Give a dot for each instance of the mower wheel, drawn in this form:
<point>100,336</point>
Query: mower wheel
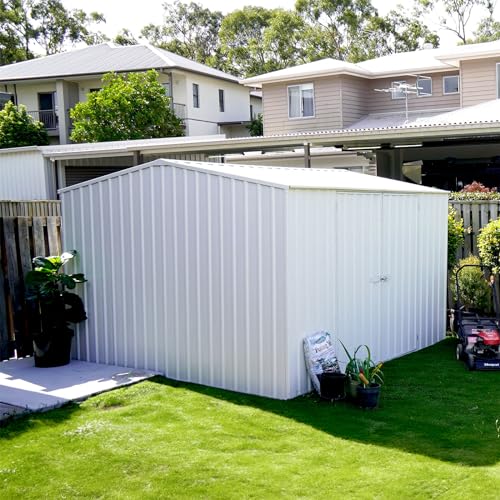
<point>470,362</point>
<point>460,352</point>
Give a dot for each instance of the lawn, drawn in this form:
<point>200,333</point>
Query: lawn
<point>434,435</point>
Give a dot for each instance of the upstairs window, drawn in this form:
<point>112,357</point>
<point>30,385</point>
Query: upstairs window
<point>301,101</point>
<point>398,93</point>
<point>451,84</point>
<point>196,95</point>
<point>221,100</point>
<point>424,86</point>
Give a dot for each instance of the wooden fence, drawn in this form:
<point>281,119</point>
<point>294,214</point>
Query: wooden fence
<point>21,239</point>
<point>41,208</point>
<point>475,214</point>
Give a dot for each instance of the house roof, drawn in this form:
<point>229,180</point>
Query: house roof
<point>99,59</point>
<point>402,63</point>
<point>486,112</point>
<point>284,177</point>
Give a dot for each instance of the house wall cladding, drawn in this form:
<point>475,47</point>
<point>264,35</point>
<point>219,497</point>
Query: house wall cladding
<point>382,102</point>
<point>327,107</point>
<point>215,278</point>
<point>479,81</point>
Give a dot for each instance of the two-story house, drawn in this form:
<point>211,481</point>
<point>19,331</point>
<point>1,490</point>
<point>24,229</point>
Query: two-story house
<point>207,100</point>
<point>413,89</point>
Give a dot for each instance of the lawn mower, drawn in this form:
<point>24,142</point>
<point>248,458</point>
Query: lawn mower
<point>478,332</point>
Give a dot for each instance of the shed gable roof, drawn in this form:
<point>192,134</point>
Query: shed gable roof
<point>286,178</point>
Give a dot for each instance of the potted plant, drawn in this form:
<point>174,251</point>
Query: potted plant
<point>52,308</point>
<point>371,378</point>
<point>332,382</point>
<point>352,371</point>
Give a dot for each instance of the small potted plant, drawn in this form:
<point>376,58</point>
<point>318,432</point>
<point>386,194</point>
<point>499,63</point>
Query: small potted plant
<point>371,378</point>
<point>332,382</point>
<point>52,307</point>
<point>352,371</point>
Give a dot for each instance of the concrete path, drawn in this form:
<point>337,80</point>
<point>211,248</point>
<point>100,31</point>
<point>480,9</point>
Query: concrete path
<point>24,388</point>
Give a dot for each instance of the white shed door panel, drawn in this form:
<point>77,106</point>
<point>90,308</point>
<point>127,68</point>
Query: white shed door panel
<point>358,264</point>
<point>399,268</point>
<point>377,272</point>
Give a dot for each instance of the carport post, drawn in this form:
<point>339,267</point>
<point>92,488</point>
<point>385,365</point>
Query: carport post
<point>390,163</point>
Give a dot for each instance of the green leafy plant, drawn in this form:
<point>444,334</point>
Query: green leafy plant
<point>52,307</point>
<point>47,281</point>
<point>256,126</point>
<point>132,106</point>
<point>488,243</point>
<point>363,370</point>
<point>475,292</point>
<point>455,235</point>
<point>17,128</point>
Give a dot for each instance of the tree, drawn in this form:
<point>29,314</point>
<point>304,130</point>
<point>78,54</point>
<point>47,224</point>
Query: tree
<point>55,25</point>
<point>17,128</point>
<point>189,30</point>
<point>256,40</point>
<point>335,25</point>
<point>458,13</point>
<point>132,106</point>
<point>398,31</point>
<point>125,37</point>
<point>44,22</point>
<point>16,31</point>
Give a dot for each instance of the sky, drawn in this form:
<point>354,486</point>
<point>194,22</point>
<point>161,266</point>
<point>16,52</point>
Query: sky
<point>135,15</point>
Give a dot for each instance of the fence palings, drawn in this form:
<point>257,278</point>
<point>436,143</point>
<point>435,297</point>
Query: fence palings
<point>37,208</point>
<point>475,214</point>
<point>21,239</point>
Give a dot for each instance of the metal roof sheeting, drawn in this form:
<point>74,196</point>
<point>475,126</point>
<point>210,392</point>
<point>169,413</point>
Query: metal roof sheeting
<point>104,58</point>
<point>284,177</point>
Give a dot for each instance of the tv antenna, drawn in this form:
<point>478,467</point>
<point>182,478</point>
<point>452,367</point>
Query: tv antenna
<point>406,89</point>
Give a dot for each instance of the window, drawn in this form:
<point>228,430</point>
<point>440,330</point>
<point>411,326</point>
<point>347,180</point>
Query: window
<point>221,100</point>
<point>398,93</point>
<point>301,101</point>
<point>451,84</point>
<point>196,95</point>
<point>94,90</point>
<point>424,86</point>
<point>251,111</point>
<point>166,86</point>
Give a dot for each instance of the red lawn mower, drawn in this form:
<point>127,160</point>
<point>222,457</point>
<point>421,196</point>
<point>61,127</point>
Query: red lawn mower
<point>478,333</point>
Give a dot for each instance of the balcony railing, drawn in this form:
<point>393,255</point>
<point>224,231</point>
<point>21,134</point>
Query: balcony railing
<point>179,110</point>
<point>47,116</point>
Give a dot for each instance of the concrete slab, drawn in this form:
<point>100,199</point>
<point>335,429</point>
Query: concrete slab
<point>26,388</point>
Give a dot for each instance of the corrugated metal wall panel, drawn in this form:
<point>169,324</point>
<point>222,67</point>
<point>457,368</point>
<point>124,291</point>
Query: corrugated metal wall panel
<point>24,176</point>
<point>311,275</point>
<point>186,276</point>
<point>370,268</point>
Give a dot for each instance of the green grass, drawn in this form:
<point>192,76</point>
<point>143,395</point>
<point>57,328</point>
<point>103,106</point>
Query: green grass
<point>434,436</point>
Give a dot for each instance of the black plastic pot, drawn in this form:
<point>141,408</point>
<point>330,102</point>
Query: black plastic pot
<point>367,397</point>
<point>332,386</point>
<point>52,352</point>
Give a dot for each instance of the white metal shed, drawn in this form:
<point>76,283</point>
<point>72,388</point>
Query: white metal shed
<point>214,274</point>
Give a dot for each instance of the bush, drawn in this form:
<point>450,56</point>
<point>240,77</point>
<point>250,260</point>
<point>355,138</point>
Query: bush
<point>488,243</point>
<point>477,187</point>
<point>475,292</point>
<point>17,128</point>
<point>455,235</point>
